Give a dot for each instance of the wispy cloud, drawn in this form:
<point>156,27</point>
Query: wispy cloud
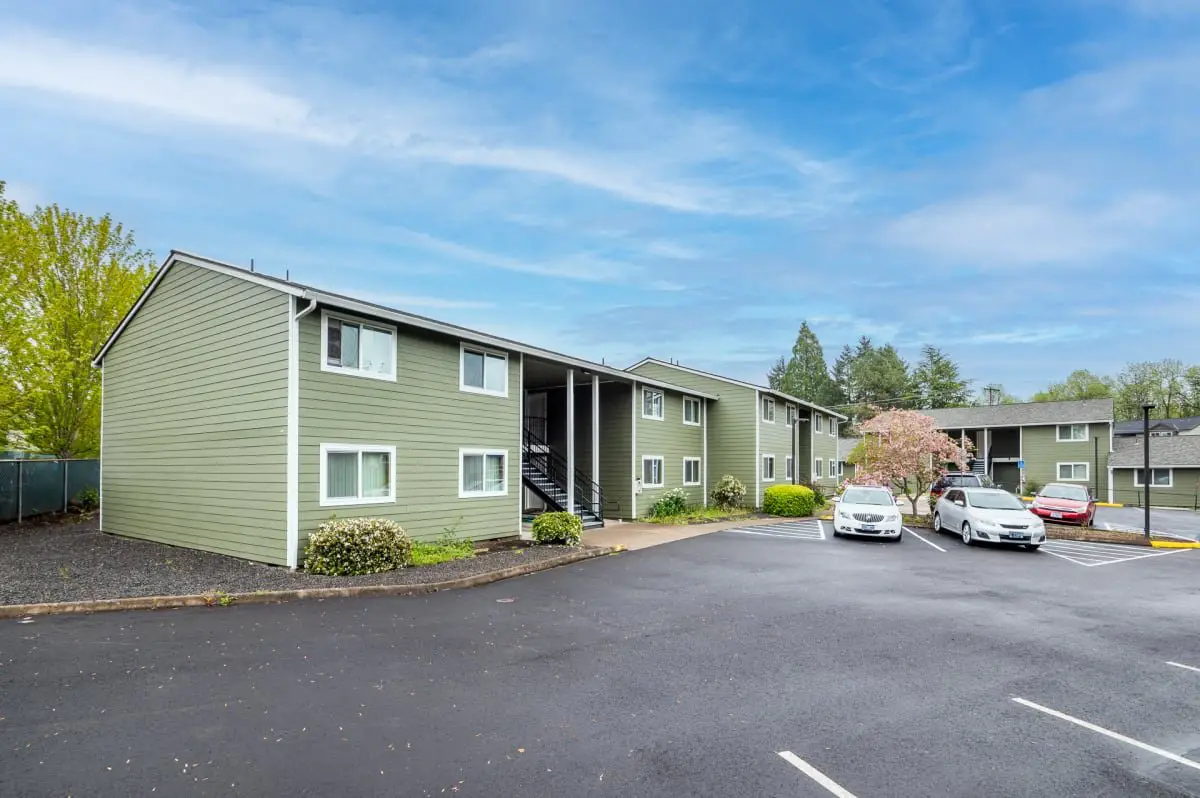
<point>406,301</point>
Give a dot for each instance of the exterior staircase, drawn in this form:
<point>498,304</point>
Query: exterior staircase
<point>545,472</point>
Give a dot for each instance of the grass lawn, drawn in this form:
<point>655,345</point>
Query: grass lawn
<point>700,515</point>
<point>432,553</point>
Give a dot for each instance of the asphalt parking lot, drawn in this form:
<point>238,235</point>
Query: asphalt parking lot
<point>1181,523</point>
<point>791,664</point>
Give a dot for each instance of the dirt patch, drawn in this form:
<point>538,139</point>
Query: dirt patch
<point>1065,532</point>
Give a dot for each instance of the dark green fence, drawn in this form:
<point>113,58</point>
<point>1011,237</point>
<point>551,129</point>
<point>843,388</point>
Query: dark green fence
<point>35,487</point>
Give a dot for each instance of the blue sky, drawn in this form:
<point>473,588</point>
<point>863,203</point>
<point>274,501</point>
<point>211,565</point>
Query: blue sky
<point>1014,181</point>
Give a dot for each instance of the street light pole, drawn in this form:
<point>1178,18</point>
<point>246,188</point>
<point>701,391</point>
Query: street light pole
<point>1146,408</point>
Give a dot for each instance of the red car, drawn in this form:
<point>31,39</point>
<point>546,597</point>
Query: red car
<point>1069,504</point>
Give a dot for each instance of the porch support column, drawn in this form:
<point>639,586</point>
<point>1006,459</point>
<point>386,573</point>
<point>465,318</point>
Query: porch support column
<point>570,440</point>
<point>596,440</point>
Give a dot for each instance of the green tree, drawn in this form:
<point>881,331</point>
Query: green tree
<point>778,374</point>
<point>1162,383</point>
<point>804,373</point>
<point>1081,384</point>
<point>840,374</point>
<point>937,381</point>
<point>68,281</point>
<point>881,380</point>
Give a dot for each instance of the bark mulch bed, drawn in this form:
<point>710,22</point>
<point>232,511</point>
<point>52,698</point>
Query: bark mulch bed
<point>70,560</point>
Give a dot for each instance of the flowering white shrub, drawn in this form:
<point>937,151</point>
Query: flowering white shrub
<point>728,493</point>
<point>356,546</point>
<point>564,528</point>
<point>673,502</point>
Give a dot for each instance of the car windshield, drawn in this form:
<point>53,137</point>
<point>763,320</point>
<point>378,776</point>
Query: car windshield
<point>1072,492</point>
<point>860,496</point>
<point>995,500</point>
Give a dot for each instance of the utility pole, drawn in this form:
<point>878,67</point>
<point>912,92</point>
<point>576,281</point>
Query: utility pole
<point>992,394</point>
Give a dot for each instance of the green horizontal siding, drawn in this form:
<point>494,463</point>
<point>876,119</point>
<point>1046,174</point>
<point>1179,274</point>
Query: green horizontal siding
<point>195,418</point>
<point>1042,453</point>
<point>673,440</point>
<point>776,438</point>
<point>427,418</point>
<point>825,447</point>
<point>1184,491</point>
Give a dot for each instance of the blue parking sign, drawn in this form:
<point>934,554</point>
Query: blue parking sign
<point>1021,464</point>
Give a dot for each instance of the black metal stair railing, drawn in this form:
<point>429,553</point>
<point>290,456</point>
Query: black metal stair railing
<point>546,472</point>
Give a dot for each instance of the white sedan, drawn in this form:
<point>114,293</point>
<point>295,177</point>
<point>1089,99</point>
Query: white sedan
<point>868,512</point>
<point>988,514</point>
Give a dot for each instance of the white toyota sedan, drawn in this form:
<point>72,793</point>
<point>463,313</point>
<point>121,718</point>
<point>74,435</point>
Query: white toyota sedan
<point>868,512</point>
<point>988,514</point>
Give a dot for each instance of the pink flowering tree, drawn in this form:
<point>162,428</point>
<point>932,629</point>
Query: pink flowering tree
<point>905,450</point>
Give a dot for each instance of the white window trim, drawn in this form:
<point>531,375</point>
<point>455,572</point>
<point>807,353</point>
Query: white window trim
<point>789,468</point>
<point>841,468</point>
<point>391,329</point>
<point>762,468</point>
<point>1087,472</point>
<point>481,494</point>
<point>359,449</point>
<point>1058,433</point>
<point>1170,478</point>
<point>686,400</point>
<point>699,473</point>
<point>817,469</point>
<point>662,405</point>
<point>662,475</point>
<point>819,423</point>
<point>791,415</point>
<point>767,401</point>
<point>463,348</point>
<point>831,465</point>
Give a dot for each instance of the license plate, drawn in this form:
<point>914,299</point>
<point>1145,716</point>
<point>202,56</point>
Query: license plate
<point>1056,515</point>
<point>1015,536</point>
<point>868,527</point>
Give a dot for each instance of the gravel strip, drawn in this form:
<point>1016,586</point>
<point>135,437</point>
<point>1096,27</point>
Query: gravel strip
<point>75,562</point>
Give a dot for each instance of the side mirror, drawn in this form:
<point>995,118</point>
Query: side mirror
<point>960,502</point>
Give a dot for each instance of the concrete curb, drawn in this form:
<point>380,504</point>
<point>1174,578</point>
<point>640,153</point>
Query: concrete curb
<point>275,596</point>
<point>1174,544</point>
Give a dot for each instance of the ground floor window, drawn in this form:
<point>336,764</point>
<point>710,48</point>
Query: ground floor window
<point>652,471</point>
<point>832,467</point>
<point>768,468</point>
<point>789,467</point>
<point>1073,472</point>
<point>817,468</point>
<point>691,471</point>
<point>357,474</point>
<point>1159,478</point>
<point>482,472</point>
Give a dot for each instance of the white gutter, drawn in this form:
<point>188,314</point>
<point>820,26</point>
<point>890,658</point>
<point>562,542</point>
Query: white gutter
<point>293,430</point>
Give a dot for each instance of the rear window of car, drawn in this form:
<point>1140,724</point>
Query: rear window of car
<point>958,481</point>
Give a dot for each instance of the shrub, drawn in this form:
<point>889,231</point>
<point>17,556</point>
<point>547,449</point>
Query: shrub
<point>89,499</point>
<point>561,527</point>
<point>1032,487</point>
<point>356,546</point>
<point>818,493</point>
<point>673,502</point>
<point>728,493</point>
<point>789,500</point>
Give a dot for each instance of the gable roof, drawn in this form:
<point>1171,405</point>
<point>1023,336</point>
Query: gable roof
<point>1181,451</point>
<point>1027,414</point>
<point>740,383</point>
<point>345,303</point>
<point>1176,425</point>
<point>845,446</point>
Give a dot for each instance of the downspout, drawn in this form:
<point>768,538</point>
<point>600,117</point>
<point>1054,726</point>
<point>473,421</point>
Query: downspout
<point>293,431</point>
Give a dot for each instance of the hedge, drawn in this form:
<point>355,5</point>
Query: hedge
<point>789,500</point>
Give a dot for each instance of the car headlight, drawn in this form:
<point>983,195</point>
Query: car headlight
<point>892,517</point>
<point>842,515</point>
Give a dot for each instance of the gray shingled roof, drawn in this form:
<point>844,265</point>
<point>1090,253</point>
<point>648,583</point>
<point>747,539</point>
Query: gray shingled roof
<point>1174,424</point>
<point>845,446</point>
<point>1027,414</point>
<point>1181,451</point>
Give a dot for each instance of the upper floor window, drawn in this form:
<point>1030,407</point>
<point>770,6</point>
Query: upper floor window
<point>818,422</point>
<point>1072,433</point>
<point>652,403</point>
<point>791,415</point>
<point>355,347</point>
<point>768,410</point>
<point>833,425</point>
<point>691,410</point>
<point>483,371</point>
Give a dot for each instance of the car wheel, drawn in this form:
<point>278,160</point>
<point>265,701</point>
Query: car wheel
<point>899,537</point>
<point>836,534</point>
<point>966,534</point>
<point>937,523</point>
<point>1033,546</point>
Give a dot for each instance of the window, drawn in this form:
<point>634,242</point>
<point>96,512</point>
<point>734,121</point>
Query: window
<point>483,372</point>
<point>1159,478</point>
<point>832,472</point>
<point>789,468</point>
<point>1072,433</point>
<point>652,472</point>
<point>354,474</point>
<point>791,415</point>
<point>352,347</point>
<point>833,425</point>
<point>768,468</point>
<point>482,472</point>
<point>768,410</point>
<point>691,471</point>
<point>652,404</point>
<point>818,422</point>
<point>1073,472</point>
<point>1161,434</point>
<point>841,468</point>
<point>691,410</point>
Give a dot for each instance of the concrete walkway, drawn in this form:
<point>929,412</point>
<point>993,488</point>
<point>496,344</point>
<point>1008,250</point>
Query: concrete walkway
<point>635,536</point>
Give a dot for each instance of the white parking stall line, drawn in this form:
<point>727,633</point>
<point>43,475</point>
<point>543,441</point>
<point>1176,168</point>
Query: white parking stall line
<point>797,530</point>
<point>820,778</point>
<point>1054,713</point>
<point>1093,554</point>
<point>1185,667</point>
<point>923,540</point>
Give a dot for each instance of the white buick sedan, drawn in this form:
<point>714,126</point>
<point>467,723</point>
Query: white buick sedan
<point>868,512</point>
<point>988,514</point>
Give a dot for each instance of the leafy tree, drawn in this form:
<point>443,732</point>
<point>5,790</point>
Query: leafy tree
<point>1163,383</point>
<point>881,379</point>
<point>68,279</point>
<point>937,382</point>
<point>1081,384</point>
<point>905,450</point>
<point>776,376</point>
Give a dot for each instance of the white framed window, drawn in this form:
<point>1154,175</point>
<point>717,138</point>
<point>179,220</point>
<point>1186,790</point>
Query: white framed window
<point>1074,472</point>
<point>652,404</point>
<point>691,471</point>
<point>832,472</point>
<point>833,426</point>
<point>818,422</point>
<point>1159,478</point>
<point>691,411</point>
<point>482,472</point>
<point>817,467</point>
<point>352,474</point>
<point>768,409</point>
<point>768,468</point>
<point>791,415</point>
<point>789,468</point>
<point>652,471</point>
<point>351,346</point>
<point>482,371</point>
<point>1071,433</point>
<point>841,468</point>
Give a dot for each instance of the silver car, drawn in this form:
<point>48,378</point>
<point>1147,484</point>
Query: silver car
<point>868,512</point>
<point>988,514</point>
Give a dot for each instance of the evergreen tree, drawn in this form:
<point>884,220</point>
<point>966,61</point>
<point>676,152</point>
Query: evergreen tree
<point>937,382</point>
<point>806,375</point>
